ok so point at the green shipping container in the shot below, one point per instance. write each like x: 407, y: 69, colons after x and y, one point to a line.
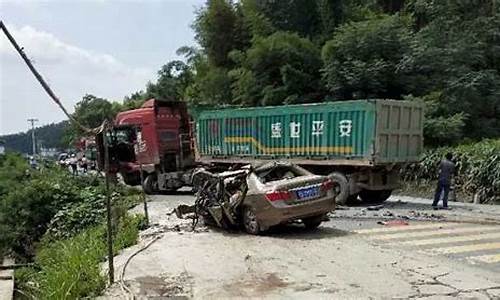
x: 359, y: 132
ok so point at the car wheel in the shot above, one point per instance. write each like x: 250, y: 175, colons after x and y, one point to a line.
x: 149, y: 184
x: 250, y: 221
x: 313, y: 222
x: 342, y: 188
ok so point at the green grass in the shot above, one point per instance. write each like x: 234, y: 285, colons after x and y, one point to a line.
x: 70, y: 268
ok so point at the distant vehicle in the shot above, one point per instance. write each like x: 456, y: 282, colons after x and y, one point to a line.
x: 62, y: 159
x: 257, y: 199
x: 360, y: 144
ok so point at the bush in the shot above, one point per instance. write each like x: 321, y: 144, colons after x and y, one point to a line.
x: 70, y: 268
x: 12, y: 172
x: 59, y: 203
x: 478, y: 167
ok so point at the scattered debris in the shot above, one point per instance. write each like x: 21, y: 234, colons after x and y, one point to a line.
x: 393, y: 223
x: 376, y: 207
x: 388, y: 214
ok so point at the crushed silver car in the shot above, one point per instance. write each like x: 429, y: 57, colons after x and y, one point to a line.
x: 261, y: 197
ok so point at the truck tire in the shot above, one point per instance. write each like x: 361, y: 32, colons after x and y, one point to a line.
x: 131, y: 179
x: 149, y: 184
x: 343, y: 187
x: 375, y: 196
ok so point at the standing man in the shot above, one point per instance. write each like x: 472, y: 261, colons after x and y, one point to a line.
x: 73, y: 163
x: 84, y: 164
x: 446, y: 172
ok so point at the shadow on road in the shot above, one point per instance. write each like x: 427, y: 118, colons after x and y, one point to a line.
x: 289, y: 232
x: 393, y: 205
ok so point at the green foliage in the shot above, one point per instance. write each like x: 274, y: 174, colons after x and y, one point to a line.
x: 55, y: 202
x: 440, y: 126
x: 299, y: 16
x: 362, y: 58
x: 211, y: 85
x: 219, y: 29
x: 173, y: 79
x: 478, y: 167
x: 280, y: 68
x: 71, y: 268
x: 91, y: 111
x: 26, y: 210
x: 12, y: 172
x: 456, y: 52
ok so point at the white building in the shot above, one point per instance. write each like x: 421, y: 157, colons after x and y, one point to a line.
x: 2, y: 149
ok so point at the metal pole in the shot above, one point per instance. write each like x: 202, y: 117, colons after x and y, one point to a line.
x: 33, y: 140
x: 111, y: 271
x: 143, y: 194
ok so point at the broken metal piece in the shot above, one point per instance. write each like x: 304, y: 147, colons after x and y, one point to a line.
x: 183, y: 209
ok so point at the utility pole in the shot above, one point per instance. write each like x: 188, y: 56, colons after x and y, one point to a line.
x: 32, y: 121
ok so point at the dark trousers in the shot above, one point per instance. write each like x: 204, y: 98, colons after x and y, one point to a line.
x: 442, y: 187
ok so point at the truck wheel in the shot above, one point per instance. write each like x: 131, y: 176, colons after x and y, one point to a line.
x: 250, y: 222
x: 374, y: 196
x: 313, y: 222
x: 131, y: 179
x: 149, y: 185
x: 342, y: 189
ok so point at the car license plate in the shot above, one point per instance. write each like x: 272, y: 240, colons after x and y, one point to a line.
x: 308, y: 193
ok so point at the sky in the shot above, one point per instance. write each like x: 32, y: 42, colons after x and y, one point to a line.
x: 108, y: 48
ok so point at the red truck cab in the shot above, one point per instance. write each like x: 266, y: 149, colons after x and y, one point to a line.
x: 154, y: 139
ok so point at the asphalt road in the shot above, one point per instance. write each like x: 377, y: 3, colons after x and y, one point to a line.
x: 433, y: 255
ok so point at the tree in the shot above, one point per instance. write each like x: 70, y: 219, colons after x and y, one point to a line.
x: 280, y: 68
x: 173, y: 78
x: 219, y: 29
x: 457, y: 52
x: 91, y: 111
x: 299, y: 16
x: 362, y: 58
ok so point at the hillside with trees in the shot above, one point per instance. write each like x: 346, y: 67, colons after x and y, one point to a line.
x: 255, y: 52
x: 48, y: 136
x: 262, y: 52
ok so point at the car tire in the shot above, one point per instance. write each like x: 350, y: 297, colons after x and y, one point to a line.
x: 313, y: 222
x: 343, y: 187
x: 250, y: 222
x: 149, y: 184
x: 375, y: 196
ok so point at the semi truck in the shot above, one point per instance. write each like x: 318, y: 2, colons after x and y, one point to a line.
x: 361, y: 144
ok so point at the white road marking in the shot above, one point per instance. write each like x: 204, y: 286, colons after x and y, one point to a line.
x: 402, y: 235
x: 452, y: 239
x: 404, y: 228
x: 466, y: 248
x: 489, y: 259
